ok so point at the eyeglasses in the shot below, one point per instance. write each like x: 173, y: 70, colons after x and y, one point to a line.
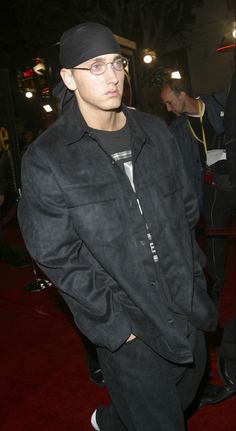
x: 100, y: 67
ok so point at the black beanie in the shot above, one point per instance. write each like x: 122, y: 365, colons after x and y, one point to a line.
x: 85, y: 41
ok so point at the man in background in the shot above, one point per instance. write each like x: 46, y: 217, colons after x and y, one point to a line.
x: 198, y: 128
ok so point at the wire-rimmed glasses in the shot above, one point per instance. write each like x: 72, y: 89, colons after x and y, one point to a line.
x: 100, y: 67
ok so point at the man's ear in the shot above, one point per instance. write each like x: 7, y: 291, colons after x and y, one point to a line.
x: 182, y: 96
x: 68, y: 79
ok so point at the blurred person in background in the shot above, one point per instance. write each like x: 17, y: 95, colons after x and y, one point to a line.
x: 199, y: 130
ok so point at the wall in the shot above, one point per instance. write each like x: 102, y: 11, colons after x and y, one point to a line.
x: 210, y: 70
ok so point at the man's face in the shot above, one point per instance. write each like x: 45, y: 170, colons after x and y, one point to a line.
x: 100, y: 92
x: 173, y: 102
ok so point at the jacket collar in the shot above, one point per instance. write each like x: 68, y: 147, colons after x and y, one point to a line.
x: 72, y: 124
x: 138, y: 137
x: 75, y: 127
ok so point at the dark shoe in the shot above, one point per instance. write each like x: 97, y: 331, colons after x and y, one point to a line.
x: 227, y: 371
x: 96, y: 377
x: 213, y: 394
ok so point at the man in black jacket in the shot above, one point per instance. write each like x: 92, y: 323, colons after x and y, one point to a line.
x: 108, y: 214
x: 199, y: 123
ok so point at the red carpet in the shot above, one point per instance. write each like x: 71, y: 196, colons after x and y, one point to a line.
x: 44, y: 379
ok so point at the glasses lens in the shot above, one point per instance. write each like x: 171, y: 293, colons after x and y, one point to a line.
x: 98, y: 68
x: 120, y: 64
x: 125, y: 62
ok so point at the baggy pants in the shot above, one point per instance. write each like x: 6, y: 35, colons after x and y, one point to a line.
x: 149, y: 393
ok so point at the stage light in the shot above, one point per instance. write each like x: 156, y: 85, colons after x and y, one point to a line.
x: 47, y: 108
x: 28, y: 94
x: 148, y: 56
x: 228, y: 41
x: 175, y: 74
x: 39, y: 67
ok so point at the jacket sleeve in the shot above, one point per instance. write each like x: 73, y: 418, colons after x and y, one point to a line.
x: 202, y: 305
x: 192, y: 211
x: 56, y: 247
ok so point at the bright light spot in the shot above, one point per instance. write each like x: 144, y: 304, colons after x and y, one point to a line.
x: 47, y: 108
x: 39, y: 69
x: 234, y: 33
x: 175, y: 75
x: 28, y: 94
x: 147, y: 58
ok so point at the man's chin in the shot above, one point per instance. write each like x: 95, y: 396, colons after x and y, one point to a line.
x: 114, y: 106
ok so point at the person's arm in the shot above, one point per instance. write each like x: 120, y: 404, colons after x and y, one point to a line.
x: 230, y: 131
x: 55, y: 245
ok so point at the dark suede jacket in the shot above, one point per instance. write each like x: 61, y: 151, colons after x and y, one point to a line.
x: 81, y: 223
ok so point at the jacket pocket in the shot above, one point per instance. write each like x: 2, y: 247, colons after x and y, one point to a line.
x: 169, y: 202
x: 95, y: 211
x: 169, y: 185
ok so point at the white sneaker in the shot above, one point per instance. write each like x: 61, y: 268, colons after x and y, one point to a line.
x: 94, y: 421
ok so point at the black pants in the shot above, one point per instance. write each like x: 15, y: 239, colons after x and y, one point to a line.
x: 149, y: 393
x: 217, y: 211
x: 90, y: 355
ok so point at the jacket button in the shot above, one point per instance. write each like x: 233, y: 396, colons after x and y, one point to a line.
x: 142, y: 243
x: 153, y: 283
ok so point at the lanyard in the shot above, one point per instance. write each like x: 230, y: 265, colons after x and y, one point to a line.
x: 203, y: 140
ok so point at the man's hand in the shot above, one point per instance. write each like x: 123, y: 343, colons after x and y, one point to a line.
x: 131, y: 337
